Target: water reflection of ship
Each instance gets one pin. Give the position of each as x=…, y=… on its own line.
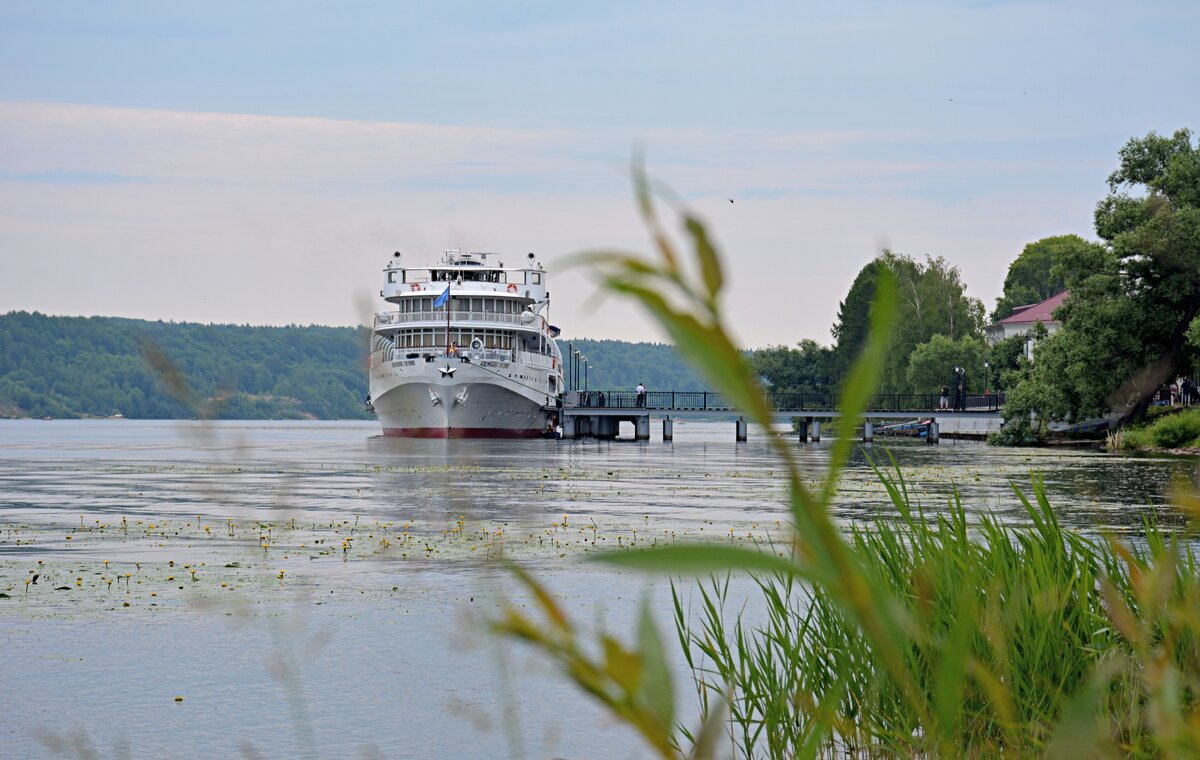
x=466, y=352
x=438, y=480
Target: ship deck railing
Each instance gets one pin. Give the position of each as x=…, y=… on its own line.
x=534, y=359
x=439, y=318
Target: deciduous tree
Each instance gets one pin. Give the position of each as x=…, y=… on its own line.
x=1038, y=272
x=808, y=368
x=1134, y=300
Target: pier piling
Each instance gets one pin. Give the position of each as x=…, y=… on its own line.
x=668, y=430
x=641, y=428
x=740, y=430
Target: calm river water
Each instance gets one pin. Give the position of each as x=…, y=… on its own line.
x=314, y=589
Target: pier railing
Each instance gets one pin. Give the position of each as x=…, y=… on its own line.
x=706, y=401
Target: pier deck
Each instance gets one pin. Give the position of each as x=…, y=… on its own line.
x=598, y=414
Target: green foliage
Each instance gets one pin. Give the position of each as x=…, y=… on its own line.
x=1008, y=624
x=931, y=364
x=1034, y=400
x=1127, y=322
x=1177, y=430
x=932, y=301
x=1007, y=361
x=1039, y=272
x=808, y=368
x=634, y=683
x=75, y=366
x=853, y=318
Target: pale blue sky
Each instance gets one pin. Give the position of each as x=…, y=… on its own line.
x=150, y=150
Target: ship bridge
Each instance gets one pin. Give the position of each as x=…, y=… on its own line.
x=476, y=272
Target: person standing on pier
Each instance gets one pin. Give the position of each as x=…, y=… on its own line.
x=641, y=395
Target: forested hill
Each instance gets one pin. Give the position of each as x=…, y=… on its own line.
x=95, y=367
x=618, y=365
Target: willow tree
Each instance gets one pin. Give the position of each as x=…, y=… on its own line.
x=1133, y=301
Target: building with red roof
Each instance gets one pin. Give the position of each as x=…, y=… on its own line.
x=1024, y=318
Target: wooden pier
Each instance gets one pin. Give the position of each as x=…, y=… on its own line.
x=599, y=414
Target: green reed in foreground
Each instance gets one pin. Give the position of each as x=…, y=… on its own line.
x=911, y=636
x=1007, y=625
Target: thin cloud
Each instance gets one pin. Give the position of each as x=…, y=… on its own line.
x=263, y=219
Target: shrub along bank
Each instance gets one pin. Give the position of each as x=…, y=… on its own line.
x=1175, y=430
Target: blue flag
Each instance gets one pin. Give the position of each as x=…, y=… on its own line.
x=441, y=300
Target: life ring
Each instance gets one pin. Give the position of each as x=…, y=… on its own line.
x=512, y=287
x=416, y=287
x=476, y=344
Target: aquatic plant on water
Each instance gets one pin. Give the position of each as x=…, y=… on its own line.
x=916, y=634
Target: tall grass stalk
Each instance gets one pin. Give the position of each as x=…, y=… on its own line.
x=1007, y=624
x=914, y=636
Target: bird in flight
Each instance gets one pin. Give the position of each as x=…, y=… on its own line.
x=731, y=200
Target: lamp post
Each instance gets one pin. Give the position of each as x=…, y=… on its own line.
x=585, y=374
x=577, y=360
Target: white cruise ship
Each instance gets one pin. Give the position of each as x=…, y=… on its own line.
x=466, y=351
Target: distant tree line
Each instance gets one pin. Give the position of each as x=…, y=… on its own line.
x=66, y=367
x=95, y=367
x=621, y=365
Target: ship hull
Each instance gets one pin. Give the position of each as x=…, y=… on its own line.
x=426, y=400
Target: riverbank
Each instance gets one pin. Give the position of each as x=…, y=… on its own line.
x=1174, y=430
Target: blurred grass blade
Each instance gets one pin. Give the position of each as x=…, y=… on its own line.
x=656, y=687
x=711, y=731
x=544, y=600
x=710, y=262
x=707, y=348
x=703, y=559
x=862, y=379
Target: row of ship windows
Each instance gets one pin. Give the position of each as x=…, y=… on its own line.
x=435, y=338
x=519, y=278
x=478, y=305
